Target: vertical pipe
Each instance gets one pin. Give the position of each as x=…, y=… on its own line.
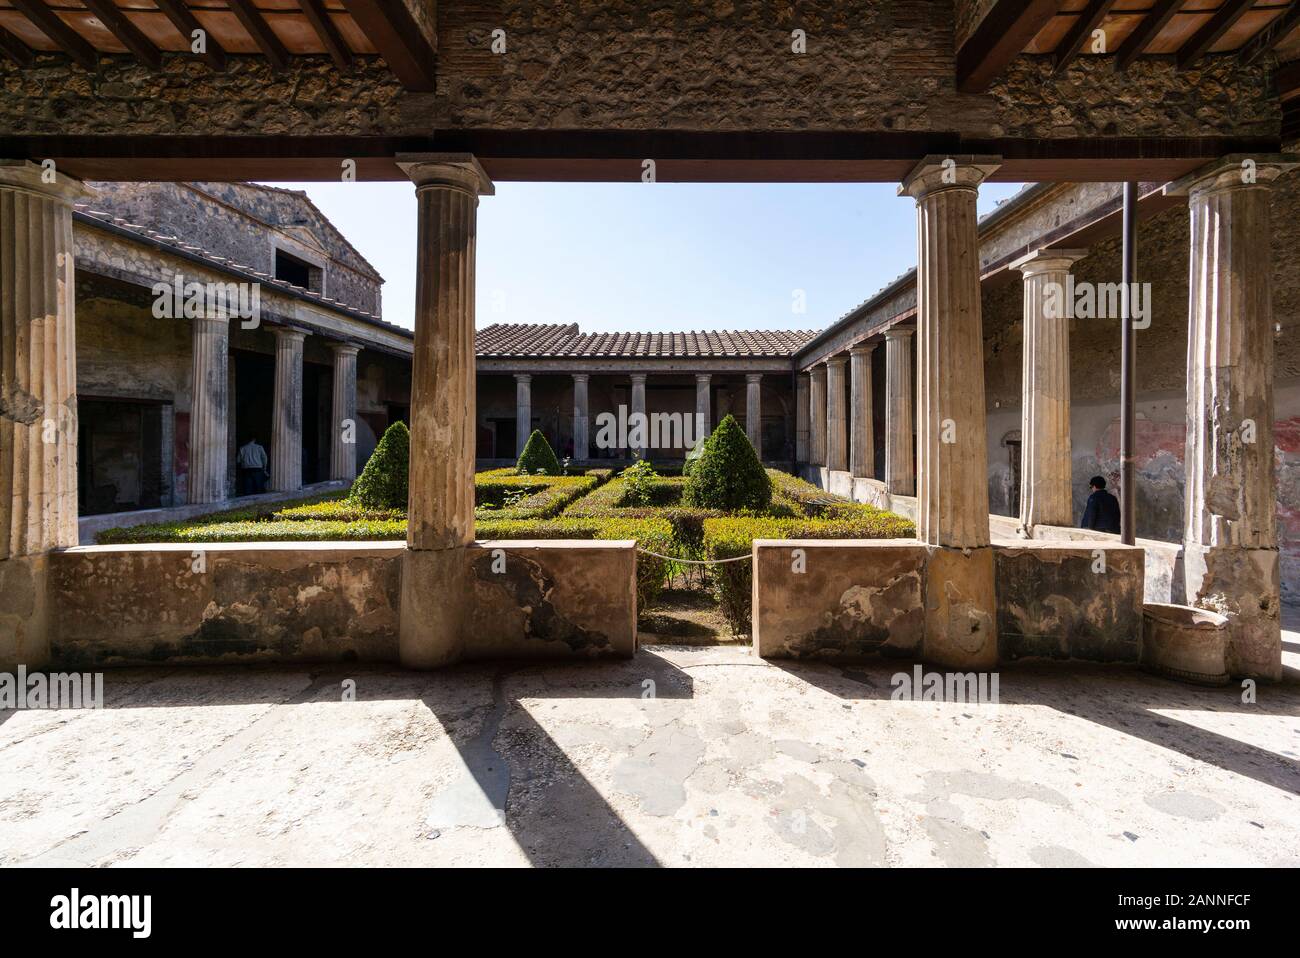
x=1128, y=373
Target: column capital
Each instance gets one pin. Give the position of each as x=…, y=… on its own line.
x=580, y=377
x=454, y=171
x=288, y=334
x=638, y=378
x=1234, y=171
x=754, y=378
x=900, y=332
x=704, y=378
x=1048, y=260
x=31, y=177
x=836, y=361
x=344, y=349
x=936, y=173
x=523, y=377
x=863, y=349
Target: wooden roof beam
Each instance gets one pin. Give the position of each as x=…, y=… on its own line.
x=1145, y=32
x=53, y=26
x=214, y=55
x=1209, y=35
x=15, y=49
x=118, y=24
x=1000, y=37
x=1274, y=33
x=1089, y=19
x=394, y=32
x=256, y=26
x=329, y=34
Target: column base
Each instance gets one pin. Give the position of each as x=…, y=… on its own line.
x=961, y=608
x=434, y=593
x=1244, y=585
x=25, y=615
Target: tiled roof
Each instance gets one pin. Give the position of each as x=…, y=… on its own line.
x=561, y=339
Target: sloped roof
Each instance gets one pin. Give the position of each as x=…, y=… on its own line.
x=564, y=339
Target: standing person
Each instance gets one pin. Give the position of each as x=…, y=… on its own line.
x=1102, y=511
x=251, y=465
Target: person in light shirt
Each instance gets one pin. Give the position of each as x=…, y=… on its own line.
x=251, y=467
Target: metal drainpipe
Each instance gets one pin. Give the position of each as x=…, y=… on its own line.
x=1128, y=373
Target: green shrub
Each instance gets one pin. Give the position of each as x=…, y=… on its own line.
x=640, y=479
x=523, y=502
x=728, y=475
x=383, y=483
x=538, y=458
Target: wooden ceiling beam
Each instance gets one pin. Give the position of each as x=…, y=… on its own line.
x=1274, y=33
x=214, y=55
x=1089, y=19
x=15, y=49
x=1146, y=30
x=1208, y=35
x=63, y=36
x=1000, y=37
x=391, y=29
x=255, y=24
x=118, y=24
x=329, y=34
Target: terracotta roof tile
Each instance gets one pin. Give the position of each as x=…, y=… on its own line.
x=564, y=339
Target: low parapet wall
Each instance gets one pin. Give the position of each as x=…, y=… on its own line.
x=328, y=602
x=848, y=600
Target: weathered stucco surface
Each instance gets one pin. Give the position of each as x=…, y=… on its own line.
x=24, y=612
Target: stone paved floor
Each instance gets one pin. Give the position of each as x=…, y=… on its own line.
x=734, y=761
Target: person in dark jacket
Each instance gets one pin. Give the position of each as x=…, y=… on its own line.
x=1102, y=512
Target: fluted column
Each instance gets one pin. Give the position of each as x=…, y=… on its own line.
x=862, y=457
x=704, y=403
x=801, y=417
x=952, y=458
x=638, y=411
x=523, y=410
x=38, y=401
x=1230, y=549
x=580, y=417
x=343, y=441
x=817, y=415
x=1046, y=466
x=837, y=427
x=754, y=411
x=440, y=522
x=900, y=396
x=209, y=409
x=286, y=430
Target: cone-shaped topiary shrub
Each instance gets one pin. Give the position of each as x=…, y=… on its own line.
x=728, y=475
x=538, y=457
x=383, y=483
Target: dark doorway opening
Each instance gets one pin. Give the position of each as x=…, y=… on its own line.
x=119, y=456
x=317, y=411
x=254, y=398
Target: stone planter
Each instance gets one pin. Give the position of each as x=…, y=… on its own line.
x=1184, y=643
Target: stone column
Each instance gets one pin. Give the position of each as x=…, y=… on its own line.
x=638, y=449
x=38, y=400
x=286, y=431
x=1046, y=466
x=1230, y=549
x=837, y=427
x=523, y=410
x=754, y=411
x=704, y=403
x=343, y=442
x=952, y=456
x=801, y=417
x=900, y=395
x=580, y=417
x=435, y=587
x=209, y=409
x=862, y=457
x=817, y=413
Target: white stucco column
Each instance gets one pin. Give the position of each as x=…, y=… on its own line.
x=38, y=399
x=900, y=396
x=754, y=411
x=580, y=416
x=523, y=410
x=817, y=414
x=801, y=417
x=286, y=429
x=837, y=427
x=343, y=441
x=952, y=457
x=862, y=448
x=435, y=591
x=209, y=409
x=704, y=403
x=1230, y=547
x=638, y=409
x=1046, y=466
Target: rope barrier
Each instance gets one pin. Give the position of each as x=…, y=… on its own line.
x=694, y=561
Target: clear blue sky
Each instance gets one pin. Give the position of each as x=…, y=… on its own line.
x=652, y=257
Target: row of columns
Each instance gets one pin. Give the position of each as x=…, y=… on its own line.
x=581, y=448
x=209, y=411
